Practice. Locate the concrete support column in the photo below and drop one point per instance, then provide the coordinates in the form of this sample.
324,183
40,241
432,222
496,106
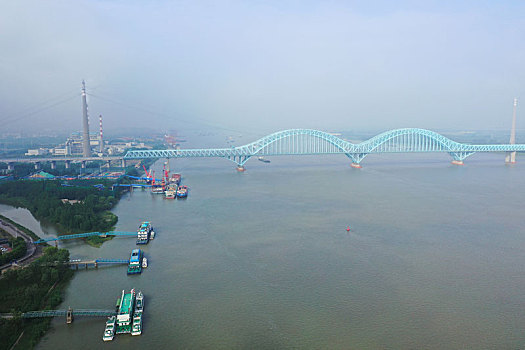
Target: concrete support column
123,163
68,164
37,165
11,166
53,164
69,315
108,163
83,164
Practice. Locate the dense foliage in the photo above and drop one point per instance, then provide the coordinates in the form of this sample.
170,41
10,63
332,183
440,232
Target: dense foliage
19,249
39,286
44,199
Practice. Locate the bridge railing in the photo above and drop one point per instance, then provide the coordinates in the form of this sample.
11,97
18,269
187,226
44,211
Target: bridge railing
84,235
77,312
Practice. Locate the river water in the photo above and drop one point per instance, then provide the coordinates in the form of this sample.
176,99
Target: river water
435,258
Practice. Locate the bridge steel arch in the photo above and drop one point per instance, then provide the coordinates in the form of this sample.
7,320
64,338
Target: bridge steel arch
314,142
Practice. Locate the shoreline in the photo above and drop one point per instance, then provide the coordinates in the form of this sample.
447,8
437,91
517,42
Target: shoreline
33,251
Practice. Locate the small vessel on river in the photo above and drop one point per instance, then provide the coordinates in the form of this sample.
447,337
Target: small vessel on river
175,179
135,262
136,328
144,233
182,192
109,332
125,312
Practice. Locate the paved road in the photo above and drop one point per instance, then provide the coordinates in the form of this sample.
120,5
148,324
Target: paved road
30,245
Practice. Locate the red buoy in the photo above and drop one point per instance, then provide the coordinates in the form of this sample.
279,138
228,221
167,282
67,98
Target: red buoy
347,228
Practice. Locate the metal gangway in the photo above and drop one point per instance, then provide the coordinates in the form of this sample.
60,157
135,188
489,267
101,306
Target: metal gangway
88,234
96,262
69,313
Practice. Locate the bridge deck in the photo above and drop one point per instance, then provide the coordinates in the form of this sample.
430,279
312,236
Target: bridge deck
84,235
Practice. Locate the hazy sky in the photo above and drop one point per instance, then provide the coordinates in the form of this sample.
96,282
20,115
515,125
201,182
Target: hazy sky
262,66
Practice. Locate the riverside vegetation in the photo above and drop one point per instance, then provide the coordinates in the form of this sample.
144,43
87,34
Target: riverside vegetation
39,286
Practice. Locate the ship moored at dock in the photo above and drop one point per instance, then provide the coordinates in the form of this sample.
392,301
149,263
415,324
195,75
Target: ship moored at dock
135,262
136,328
144,233
182,192
109,331
125,312
129,309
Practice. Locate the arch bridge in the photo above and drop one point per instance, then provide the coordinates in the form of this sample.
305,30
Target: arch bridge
315,142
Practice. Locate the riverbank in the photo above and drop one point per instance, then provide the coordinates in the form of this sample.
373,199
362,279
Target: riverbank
39,285
16,231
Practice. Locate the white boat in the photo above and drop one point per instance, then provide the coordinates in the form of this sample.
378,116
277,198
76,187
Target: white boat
152,235
109,332
136,327
139,302
144,262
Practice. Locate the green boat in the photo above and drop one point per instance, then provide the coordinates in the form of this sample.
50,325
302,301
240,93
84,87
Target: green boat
125,312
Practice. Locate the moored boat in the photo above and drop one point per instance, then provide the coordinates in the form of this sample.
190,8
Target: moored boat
125,312
170,194
263,160
175,179
144,233
157,189
182,192
144,262
136,328
135,262
109,332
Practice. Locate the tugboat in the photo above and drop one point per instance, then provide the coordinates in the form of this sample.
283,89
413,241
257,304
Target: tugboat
263,160
182,192
109,332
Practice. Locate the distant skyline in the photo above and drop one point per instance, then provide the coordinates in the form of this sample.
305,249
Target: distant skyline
262,66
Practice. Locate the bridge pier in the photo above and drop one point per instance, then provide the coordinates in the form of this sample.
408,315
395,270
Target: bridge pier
457,162
108,164
69,315
37,165
68,164
123,163
53,165
83,164
11,166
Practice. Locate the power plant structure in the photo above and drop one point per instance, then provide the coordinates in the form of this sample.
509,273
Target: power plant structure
85,123
101,139
511,156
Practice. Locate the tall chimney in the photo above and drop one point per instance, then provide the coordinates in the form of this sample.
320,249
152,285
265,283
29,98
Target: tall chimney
511,156
101,139
85,123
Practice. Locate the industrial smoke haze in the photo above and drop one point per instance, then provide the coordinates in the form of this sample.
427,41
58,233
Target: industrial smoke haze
261,66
